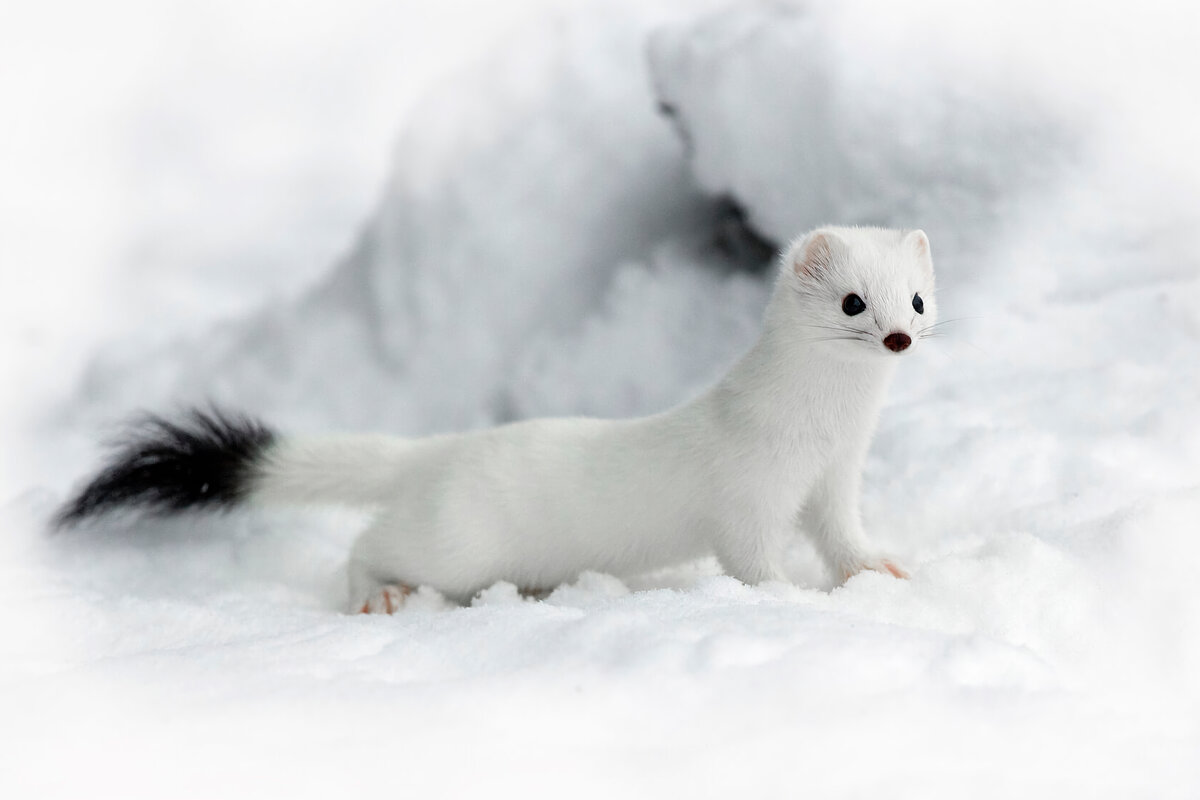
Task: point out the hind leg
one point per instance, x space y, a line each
370 595
387 600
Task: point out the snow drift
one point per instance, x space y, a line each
806 116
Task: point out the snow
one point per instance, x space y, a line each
547 243
860 117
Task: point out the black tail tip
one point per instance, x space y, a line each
206 459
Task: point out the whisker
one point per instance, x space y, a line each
842 328
947 322
840 339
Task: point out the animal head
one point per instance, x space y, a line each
858 292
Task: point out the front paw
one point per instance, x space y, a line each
885 565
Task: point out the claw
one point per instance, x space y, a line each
388 600
884 565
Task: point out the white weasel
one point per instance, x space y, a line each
778 444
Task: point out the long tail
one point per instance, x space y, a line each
216 460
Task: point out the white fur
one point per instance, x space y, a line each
778 443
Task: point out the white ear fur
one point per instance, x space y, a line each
814 254
918 241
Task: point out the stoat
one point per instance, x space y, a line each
776 445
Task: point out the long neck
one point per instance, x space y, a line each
787 387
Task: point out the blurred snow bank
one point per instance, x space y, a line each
517 191
807 116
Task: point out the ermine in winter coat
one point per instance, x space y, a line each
776 446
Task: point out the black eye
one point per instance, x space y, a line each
918 304
853 304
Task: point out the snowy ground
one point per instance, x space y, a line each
546 242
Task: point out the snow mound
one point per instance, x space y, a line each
808 116
517 191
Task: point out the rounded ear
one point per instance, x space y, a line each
918 242
814 254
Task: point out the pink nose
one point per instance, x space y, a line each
896 341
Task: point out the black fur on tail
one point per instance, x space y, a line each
206 460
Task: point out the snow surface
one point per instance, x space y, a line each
547 242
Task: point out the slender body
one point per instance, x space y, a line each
776 446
